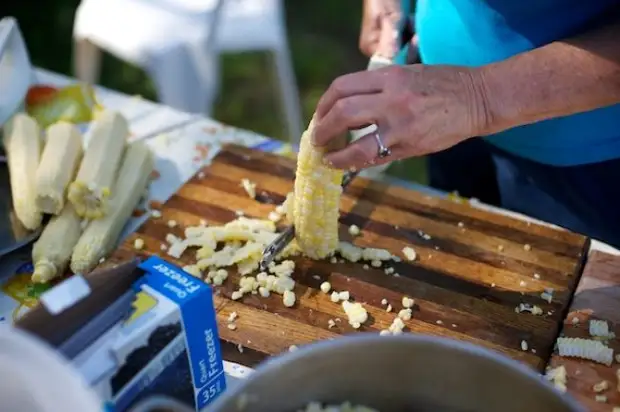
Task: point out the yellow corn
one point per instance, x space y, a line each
23 149
52 252
101 235
59 162
316 201
90 191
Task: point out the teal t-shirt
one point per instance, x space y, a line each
479 32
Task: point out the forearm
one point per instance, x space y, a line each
560 79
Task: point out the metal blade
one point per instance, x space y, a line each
276 247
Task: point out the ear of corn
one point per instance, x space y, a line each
101 235
316 200
52 252
91 189
23 149
60 159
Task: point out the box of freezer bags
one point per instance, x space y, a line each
144 328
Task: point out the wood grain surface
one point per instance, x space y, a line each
473 267
597 297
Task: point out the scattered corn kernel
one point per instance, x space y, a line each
249 187
405 314
409 253
355 312
558 377
231 326
354 230
326 287
288 298
600 387
407 302
172 223
138 244
601 398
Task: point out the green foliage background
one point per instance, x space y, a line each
323 37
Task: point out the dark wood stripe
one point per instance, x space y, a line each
375 192
249 357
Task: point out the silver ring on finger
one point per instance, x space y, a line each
382 151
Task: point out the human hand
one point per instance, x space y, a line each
379 27
418 110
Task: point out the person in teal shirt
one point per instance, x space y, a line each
381 18
539 80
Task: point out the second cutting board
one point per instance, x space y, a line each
473 268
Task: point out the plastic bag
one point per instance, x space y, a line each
75 104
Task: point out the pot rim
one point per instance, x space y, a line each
365 338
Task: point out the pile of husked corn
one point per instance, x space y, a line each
89 193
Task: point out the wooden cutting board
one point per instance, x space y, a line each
473 267
597 297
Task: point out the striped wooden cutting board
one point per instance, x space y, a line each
473 267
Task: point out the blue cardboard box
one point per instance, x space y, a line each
168 346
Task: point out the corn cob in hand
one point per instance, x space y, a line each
52 252
59 162
316 200
90 191
23 149
101 235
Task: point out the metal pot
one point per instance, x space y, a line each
397 373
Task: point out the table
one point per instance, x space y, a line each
184 143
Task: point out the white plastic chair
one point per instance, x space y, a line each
178 42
